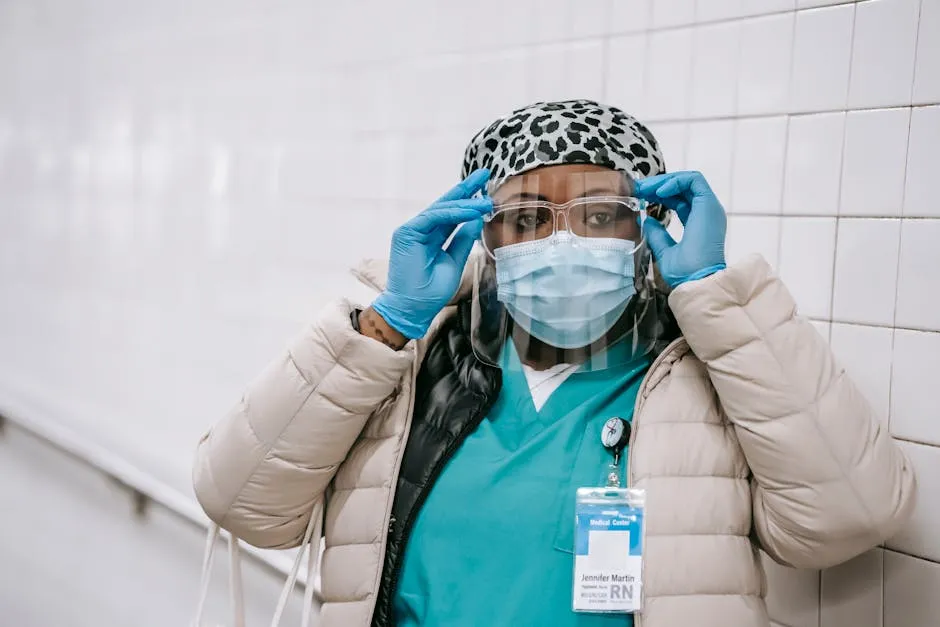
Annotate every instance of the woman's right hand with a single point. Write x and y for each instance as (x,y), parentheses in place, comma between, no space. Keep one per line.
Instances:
(423,276)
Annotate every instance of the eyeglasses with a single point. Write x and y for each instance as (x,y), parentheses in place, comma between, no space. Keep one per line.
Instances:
(617,217)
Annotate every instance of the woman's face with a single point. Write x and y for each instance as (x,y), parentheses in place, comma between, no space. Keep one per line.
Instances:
(543,192)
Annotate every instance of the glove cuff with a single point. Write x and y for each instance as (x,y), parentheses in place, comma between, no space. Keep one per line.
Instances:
(399,317)
(704,272)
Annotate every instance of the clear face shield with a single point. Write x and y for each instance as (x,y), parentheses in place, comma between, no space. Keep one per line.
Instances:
(567,277)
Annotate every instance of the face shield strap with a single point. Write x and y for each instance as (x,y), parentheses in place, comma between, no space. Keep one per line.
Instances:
(489,318)
(654,325)
(643,275)
(657,325)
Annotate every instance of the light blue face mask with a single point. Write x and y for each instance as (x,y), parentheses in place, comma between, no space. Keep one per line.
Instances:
(565,291)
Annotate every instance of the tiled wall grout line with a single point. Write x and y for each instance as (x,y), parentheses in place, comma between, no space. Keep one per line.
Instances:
(874,325)
(786,152)
(920,10)
(916,557)
(897,271)
(835,247)
(850,216)
(794,114)
(884,596)
(429,131)
(734,127)
(749,16)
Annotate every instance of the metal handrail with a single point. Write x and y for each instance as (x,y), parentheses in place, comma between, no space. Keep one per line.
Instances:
(144,489)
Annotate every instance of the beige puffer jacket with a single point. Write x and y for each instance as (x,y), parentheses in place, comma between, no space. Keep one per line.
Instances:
(746,428)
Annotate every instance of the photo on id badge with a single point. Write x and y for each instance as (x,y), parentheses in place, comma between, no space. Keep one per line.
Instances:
(609,526)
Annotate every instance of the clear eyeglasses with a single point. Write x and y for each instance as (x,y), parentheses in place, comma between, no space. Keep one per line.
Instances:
(618,217)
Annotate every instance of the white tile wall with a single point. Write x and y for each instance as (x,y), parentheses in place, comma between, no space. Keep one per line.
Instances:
(584,73)
(626,72)
(874,162)
(917,278)
(910,586)
(757,173)
(673,140)
(807,4)
(923,162)
(822,50)
(787,584)
(715,51)
(171,174)
(586,20)
(551,22)
(669,74)
(807,255)
(866,270)
(548,78)
(927,67)
(852,594)
(760,7)
(753,234)
(673,13)
(765,58)
(883,53)
(709,148)
(814,164)
(919,535)
(865,353)
(915,361)
(629,16)
(718,10)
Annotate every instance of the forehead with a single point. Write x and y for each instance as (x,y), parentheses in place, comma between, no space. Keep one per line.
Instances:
(560,183)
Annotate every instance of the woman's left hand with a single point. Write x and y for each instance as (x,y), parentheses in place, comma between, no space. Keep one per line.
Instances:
(701,252)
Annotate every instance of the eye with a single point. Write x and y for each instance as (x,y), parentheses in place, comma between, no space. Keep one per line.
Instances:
(528,220)
(601,215)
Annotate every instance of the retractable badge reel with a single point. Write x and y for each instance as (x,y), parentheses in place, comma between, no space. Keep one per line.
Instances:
(609,535)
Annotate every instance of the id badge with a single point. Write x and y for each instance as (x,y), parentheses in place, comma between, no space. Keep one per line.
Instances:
(608,562)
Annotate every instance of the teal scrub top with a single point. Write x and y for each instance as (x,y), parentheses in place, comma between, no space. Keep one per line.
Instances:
(493,543)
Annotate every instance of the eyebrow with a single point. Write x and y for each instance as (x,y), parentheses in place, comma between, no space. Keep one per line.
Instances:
(594,191)
(525,196)
(601,191)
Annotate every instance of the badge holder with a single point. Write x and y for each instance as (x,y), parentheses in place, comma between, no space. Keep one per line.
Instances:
(609,536)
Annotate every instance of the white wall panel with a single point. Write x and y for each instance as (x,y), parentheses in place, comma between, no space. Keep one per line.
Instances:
(184,184)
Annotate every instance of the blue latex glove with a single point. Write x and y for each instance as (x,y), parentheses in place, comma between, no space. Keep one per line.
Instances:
(423,276)
(701,252)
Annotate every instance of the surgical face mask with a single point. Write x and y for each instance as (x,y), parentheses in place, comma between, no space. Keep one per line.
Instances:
(566,291)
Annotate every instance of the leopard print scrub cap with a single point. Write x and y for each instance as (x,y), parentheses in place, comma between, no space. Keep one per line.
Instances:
(572,131)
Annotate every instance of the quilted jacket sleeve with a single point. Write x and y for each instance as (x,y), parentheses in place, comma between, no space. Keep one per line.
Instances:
(828,481)
(259,470)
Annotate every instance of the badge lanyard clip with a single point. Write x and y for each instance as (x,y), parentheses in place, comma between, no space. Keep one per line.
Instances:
(614,438)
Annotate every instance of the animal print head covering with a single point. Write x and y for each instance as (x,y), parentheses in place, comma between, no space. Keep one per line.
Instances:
(571,131)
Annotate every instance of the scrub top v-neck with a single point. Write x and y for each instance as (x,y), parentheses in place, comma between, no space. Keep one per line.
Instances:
(493,543)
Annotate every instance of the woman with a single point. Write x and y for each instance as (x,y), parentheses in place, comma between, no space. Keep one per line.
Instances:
(443,431)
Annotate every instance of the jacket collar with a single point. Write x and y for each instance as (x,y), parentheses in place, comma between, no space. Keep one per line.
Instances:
(374,272)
